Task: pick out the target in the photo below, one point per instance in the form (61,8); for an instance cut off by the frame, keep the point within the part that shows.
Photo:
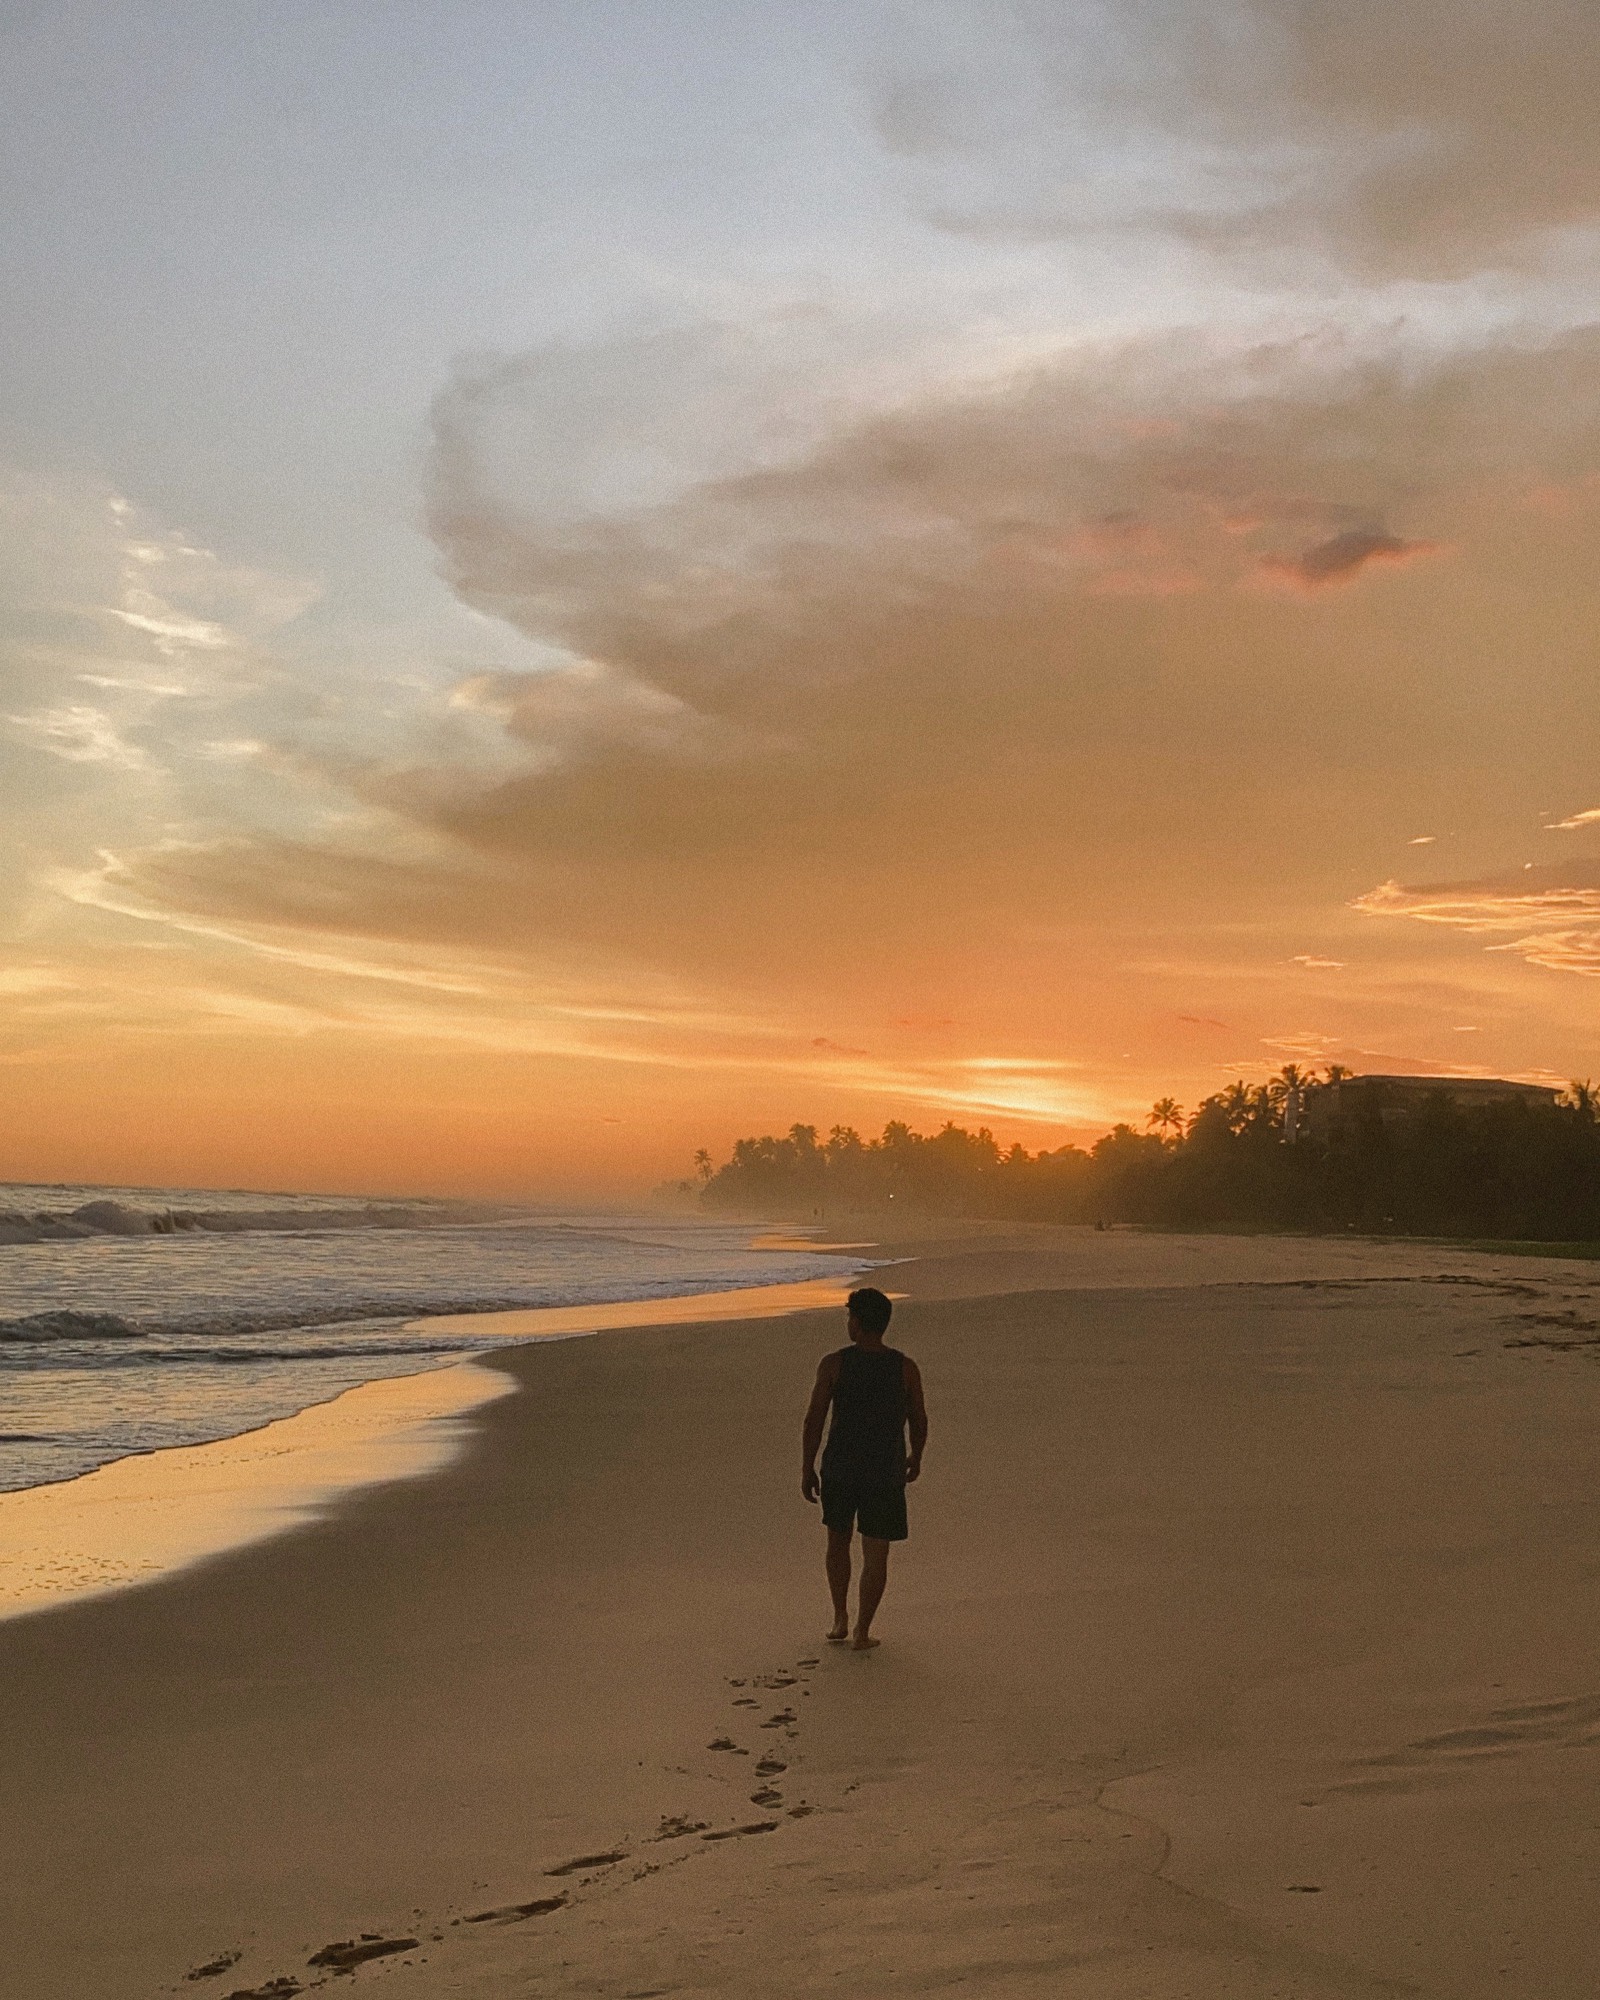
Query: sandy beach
(1245,1645)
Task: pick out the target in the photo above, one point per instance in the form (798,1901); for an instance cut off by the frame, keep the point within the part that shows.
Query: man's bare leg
(839,1583)
(874,1575)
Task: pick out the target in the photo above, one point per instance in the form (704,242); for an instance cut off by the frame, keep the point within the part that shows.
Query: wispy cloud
(1549,921)
(1308,1046)
(81,735)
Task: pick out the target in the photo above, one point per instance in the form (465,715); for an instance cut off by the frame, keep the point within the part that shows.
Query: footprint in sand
(516,1913)
(346,1955)
(588,1861)
(214,1968)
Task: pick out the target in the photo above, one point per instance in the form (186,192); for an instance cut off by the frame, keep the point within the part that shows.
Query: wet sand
(1246,1644)
(159,1511)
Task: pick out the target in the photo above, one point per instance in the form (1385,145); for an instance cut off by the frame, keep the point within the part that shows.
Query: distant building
(1394,1099)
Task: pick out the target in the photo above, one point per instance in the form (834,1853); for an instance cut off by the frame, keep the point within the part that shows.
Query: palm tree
(1237,1106)
(702,1164)
(1166,1115)
(1336,1072)
(1584,1099)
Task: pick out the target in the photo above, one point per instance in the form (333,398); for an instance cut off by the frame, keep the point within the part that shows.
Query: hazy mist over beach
(579,581)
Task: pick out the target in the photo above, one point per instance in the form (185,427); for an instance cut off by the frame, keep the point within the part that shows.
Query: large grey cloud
(990,661)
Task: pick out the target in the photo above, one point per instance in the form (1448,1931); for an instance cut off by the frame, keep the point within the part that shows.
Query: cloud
(1314,1048)
(1308,1046)
(1314,964)
(96,596)
(567,714)
(81,735)
(1552,920)
(1344,557)
(1586,818)
(824,728)
(1430,138)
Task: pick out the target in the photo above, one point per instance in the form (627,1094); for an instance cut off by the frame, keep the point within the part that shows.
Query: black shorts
(880,1511)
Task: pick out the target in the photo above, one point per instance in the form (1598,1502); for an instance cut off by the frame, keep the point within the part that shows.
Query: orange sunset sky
(582,580)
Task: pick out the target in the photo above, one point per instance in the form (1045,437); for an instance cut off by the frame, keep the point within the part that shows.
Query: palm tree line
(1245,1157)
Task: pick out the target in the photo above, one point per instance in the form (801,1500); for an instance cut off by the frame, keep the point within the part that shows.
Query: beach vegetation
(1252,1156)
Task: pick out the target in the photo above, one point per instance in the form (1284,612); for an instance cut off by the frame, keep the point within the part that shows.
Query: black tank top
(867,1437)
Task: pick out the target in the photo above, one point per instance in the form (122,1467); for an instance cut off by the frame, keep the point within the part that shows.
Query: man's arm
(916,1418)
(816,1417)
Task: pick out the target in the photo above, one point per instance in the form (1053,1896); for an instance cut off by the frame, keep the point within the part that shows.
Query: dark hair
(871,1308)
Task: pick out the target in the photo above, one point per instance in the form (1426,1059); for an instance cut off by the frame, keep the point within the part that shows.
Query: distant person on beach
(876,1395)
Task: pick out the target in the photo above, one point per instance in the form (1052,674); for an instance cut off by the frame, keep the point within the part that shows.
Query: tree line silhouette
(1246,1158)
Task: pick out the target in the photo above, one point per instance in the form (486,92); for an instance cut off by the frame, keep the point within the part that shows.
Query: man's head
(869,1314)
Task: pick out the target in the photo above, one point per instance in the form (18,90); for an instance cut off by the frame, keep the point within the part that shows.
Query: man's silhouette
(876,1393)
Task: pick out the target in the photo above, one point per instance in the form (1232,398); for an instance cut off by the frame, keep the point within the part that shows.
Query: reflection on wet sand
(143,1516)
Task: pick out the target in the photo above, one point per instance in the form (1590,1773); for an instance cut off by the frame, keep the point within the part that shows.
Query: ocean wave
(189,1333)
(364,1350)
(67,1325)
(108,1217)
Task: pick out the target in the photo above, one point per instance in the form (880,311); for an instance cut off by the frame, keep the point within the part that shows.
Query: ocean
(136,1318)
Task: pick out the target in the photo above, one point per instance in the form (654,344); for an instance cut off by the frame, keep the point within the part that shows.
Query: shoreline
(152,1513)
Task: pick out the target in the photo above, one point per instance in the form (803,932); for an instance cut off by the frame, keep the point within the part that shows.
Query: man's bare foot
(862,1643)
(839,1634)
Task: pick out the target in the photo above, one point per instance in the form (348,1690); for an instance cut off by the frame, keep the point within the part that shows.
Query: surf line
(150,1514)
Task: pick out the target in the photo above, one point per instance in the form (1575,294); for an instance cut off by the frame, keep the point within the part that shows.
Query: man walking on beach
(876,1394)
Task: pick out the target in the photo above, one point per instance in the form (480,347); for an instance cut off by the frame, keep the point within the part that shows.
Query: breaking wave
(121,1218)
(66,1325)
(42,1327)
